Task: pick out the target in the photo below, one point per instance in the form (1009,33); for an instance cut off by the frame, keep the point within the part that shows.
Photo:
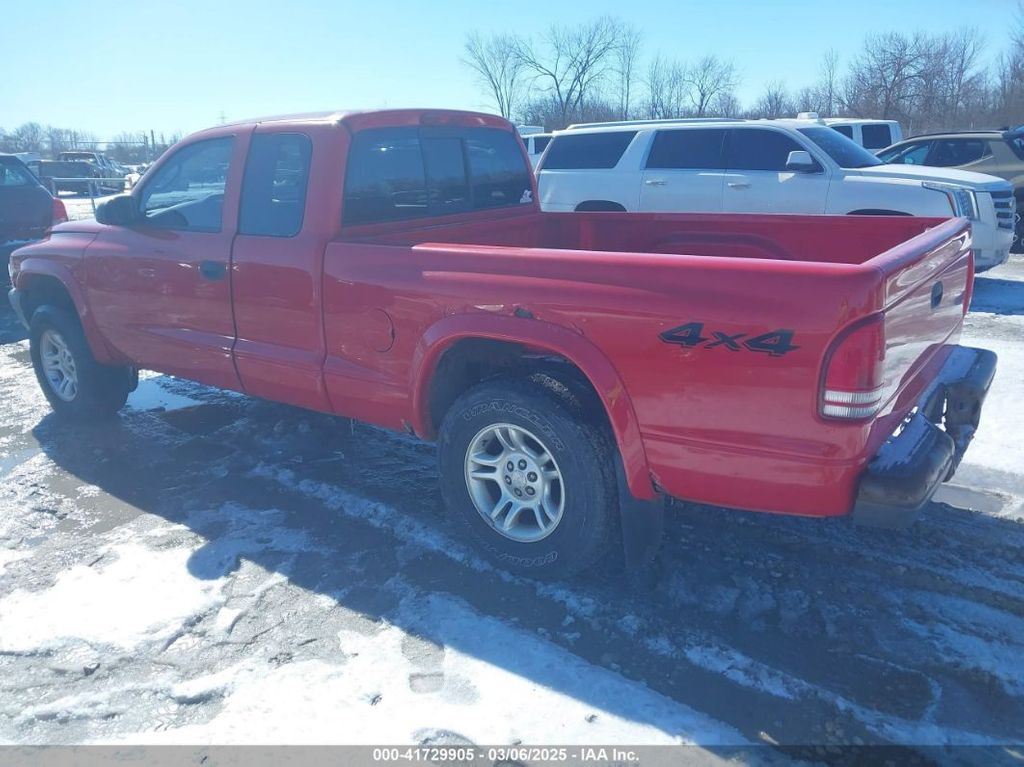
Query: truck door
(756,179)
(160,289)
(684,171)
(276,267)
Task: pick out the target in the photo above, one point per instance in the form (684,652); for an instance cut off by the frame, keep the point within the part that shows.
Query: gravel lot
(213,568)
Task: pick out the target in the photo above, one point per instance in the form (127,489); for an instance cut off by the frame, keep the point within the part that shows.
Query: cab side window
(758,149)
(274,187)
(187,191)
(951,152)
(911,154)
(689,148)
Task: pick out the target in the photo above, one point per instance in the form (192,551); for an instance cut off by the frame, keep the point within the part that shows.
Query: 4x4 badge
(774,343)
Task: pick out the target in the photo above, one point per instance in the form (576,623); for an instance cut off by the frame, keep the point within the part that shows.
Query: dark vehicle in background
(99,175)
(27,210)
(995,152)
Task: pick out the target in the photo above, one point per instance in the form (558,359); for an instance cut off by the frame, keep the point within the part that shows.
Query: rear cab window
(876,135)
(587,151)
(406,173)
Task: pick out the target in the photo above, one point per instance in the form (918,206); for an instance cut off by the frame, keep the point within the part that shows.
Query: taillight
(60,213)
(852,384)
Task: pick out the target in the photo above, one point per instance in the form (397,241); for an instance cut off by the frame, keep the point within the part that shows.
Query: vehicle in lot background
(27,209)
(98,174)
(535,145)
(777,166)
(572,367)
(870,134)
(995,152)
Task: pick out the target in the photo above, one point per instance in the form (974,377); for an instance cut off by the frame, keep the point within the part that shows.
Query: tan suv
(997,153)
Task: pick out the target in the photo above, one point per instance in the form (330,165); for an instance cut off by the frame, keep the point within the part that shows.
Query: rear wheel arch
(600,205)
(449,363)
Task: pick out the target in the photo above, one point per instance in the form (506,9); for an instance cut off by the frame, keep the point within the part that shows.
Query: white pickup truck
(778,166)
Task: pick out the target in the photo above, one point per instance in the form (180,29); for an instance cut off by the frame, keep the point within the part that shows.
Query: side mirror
(122,210)
(801,161)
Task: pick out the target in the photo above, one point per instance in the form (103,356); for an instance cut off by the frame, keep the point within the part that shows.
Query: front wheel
(75,384)
(532,481)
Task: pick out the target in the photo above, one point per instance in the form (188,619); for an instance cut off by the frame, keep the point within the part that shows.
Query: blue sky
(179,65)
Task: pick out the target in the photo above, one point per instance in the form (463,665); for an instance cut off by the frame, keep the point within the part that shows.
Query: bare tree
(885,80)
(570,63)
(496,62)
(957,75)
(626,55)
(725,104)
(666,89)
(29,137)
(706,79)
(775,102)
(828,84)
(1008,85)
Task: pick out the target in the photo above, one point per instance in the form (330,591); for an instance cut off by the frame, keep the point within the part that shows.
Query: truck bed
(818,239)
(624,280)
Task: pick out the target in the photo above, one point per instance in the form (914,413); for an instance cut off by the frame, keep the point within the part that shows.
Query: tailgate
(925,293)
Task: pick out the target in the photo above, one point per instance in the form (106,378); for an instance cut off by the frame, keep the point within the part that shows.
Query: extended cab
(574,368)
(776,166)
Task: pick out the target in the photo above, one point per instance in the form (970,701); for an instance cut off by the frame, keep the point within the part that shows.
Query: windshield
(844,151)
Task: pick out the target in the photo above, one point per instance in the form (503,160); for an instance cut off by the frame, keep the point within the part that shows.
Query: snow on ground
(213,569)
(152,396)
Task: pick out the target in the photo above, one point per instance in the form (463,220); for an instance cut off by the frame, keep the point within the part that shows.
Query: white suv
(777,166)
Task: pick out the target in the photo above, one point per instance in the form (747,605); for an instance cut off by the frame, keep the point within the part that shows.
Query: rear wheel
(532,482)
(75,384)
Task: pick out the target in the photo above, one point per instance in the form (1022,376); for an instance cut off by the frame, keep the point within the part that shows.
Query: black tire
(102,390)
(583,455)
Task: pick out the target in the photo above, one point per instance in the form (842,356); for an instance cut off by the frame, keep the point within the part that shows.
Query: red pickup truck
(574,368)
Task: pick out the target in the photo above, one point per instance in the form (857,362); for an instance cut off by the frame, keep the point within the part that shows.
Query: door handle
(212,270)
(655,182)
(739,185)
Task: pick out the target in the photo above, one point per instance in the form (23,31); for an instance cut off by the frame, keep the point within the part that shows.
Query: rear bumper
(910,466)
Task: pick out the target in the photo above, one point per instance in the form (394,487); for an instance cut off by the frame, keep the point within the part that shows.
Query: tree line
(50,141)
(597,71)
